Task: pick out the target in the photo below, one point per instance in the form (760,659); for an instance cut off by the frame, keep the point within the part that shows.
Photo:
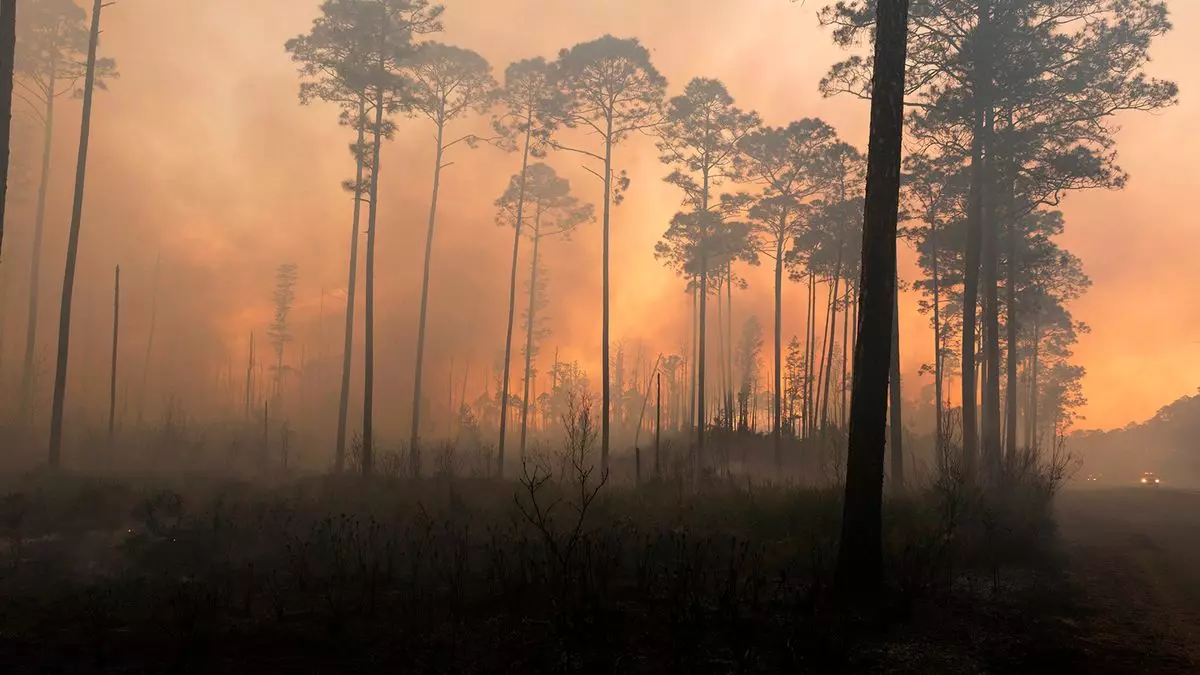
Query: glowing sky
(202,154)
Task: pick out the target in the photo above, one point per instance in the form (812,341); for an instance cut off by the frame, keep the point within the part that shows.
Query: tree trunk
(896,403)
(777,423)
(842,412)
(351,284)
(35,260)
(112,373)
(414,451)
(1033,402)
(512,308)
(991,304)
(606,388)
(937,334)
(368,449)
(8,57)
(533,279)
(832,337)
(859,576)
(68,290)
(1010,450)
(810,338)
(729,383)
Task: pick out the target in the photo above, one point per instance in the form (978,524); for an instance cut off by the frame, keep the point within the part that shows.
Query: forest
(492,442)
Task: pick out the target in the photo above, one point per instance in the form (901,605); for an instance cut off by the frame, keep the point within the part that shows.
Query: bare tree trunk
(859,577)
(991,305)
(8,58)
(896,403)
(414,451)
(842,411)
(982,83)
(606,386)
(533,280)
(729,384)
(68,290)
(777,421)
(351,284)
(35,260)
(368,448)
(249,377)
(810,338)
(832,336)
(937,334)
(1014,271)
(112,373)
(1033,402)
(512,307)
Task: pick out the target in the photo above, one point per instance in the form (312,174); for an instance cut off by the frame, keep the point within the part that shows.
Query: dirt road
(1134,558)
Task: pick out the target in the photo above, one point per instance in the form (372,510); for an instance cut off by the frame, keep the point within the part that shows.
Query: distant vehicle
(1149,478)
(1093,478)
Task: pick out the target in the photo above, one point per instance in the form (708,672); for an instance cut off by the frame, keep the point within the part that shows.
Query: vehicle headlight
(1143,480)
(1156,480)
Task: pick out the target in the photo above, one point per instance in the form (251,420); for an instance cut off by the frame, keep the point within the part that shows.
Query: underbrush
(561,570)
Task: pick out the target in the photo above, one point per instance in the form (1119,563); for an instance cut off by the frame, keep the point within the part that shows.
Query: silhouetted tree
(613,90)
(68,288)
(51,58)
(860,552)
(8,57)
(531,104)
(347,59)
(546,201)
(793,165)
(445,82)
(699,139)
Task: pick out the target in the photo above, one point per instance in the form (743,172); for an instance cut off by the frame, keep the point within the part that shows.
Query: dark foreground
(465,579)
(1134,562)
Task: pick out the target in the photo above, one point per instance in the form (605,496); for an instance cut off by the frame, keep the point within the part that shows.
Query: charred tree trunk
(777,421)
(414,437)
(606,387)
(896,405)
(512,308)
(8,58)
(533,280)
(367,460)
(35,261)
(68,290)
(859,578)
(351,285)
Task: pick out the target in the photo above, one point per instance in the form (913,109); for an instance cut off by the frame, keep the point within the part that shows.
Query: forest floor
(278,586)
(1133,565)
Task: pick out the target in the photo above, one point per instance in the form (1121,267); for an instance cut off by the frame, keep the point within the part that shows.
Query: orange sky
(202,154)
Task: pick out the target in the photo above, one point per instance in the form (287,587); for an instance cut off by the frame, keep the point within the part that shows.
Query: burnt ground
(1133,568)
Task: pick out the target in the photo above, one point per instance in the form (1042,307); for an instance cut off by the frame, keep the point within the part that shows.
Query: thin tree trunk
(512,307)
(859,576)
(8,57)
(1010,450)
(351,284)
(777,422)
(729,384)
(842,411)
(35,260)
(414,451)
(832,336)
(896,403)
(937,334)
(533,280)
(368,448)
(810,337)
(982,85)
(606,384)
(112,373)
(1033,403)
(64,317)
(991,305)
